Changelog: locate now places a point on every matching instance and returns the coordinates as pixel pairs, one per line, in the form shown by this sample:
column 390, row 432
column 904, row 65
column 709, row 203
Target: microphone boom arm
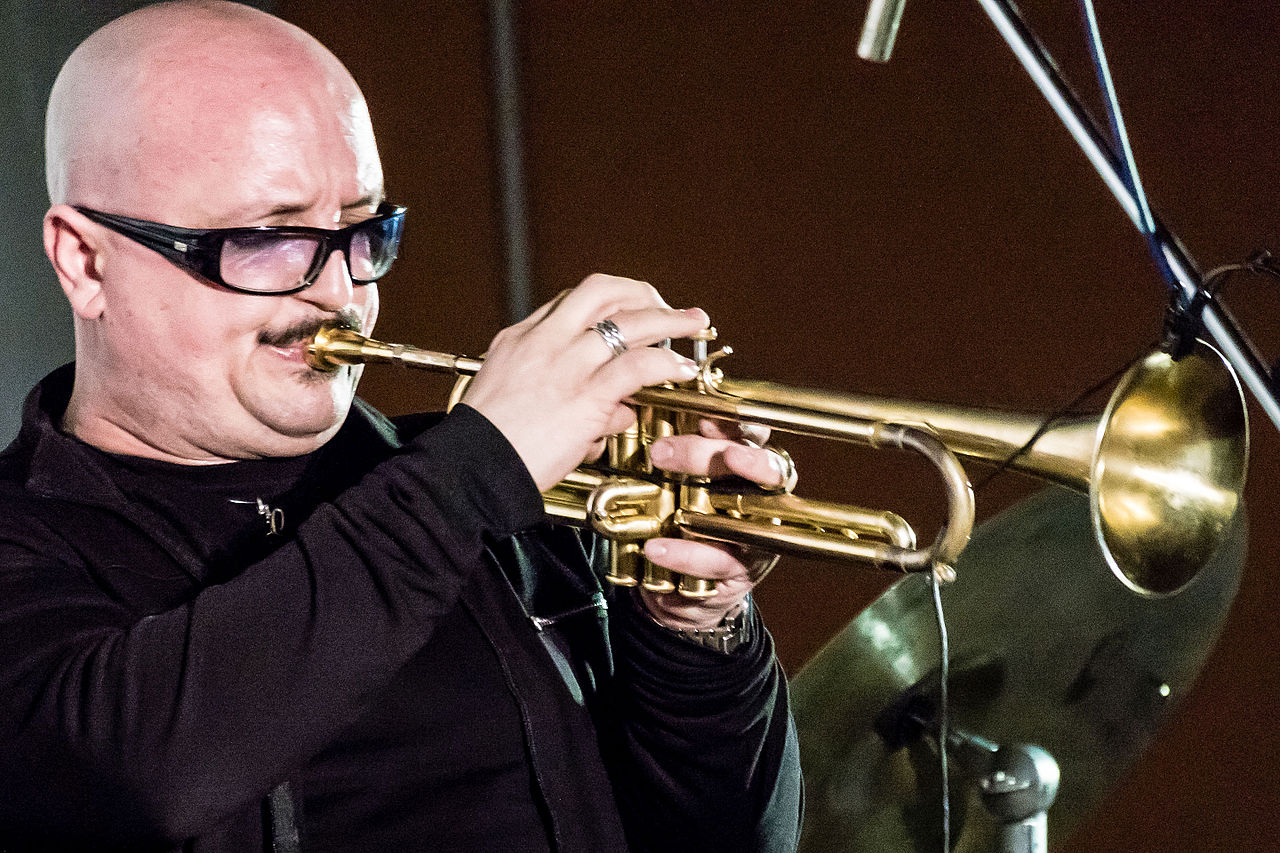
column 1190, row 295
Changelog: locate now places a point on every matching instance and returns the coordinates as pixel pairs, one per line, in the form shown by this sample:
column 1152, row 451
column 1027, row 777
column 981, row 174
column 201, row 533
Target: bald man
column 241, row 610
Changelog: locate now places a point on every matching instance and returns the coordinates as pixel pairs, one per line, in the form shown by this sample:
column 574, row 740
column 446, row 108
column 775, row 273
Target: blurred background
column 924, row 229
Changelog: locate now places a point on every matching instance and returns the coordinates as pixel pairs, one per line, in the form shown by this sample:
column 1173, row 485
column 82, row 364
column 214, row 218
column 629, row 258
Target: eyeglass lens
column 267, row 262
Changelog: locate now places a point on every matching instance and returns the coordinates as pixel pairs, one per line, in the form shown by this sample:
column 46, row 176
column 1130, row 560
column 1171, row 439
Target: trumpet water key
column 1163, row 465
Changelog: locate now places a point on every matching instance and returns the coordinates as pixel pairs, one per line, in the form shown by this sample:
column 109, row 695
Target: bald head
column 163, row 92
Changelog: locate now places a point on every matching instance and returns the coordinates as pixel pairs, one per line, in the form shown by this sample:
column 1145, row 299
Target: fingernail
column 660, row 453
column 779, row 465
column 686, row 368
column 655, row 549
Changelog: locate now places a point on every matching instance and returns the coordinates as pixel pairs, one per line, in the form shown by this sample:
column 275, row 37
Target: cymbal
column 1047, row 647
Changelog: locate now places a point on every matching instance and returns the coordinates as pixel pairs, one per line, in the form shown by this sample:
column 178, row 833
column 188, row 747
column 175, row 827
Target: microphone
column 880, row 29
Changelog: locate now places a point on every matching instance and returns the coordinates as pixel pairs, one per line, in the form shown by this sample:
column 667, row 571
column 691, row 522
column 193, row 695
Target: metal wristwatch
column 731, row 633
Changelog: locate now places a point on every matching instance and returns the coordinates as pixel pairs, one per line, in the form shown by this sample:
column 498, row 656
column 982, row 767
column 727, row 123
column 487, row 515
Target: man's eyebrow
column 283, row 210
column 286, row 210
column 372, row 199
column 250, row 213
column 363, row 205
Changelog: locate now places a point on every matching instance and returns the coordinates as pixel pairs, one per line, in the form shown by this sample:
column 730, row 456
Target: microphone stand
column 1191, row 300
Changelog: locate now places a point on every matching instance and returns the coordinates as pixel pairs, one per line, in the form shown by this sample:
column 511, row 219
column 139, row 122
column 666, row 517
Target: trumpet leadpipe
column 335, row 345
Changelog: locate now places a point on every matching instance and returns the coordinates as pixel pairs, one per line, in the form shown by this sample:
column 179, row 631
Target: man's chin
column 313, row 419
column 295, row 438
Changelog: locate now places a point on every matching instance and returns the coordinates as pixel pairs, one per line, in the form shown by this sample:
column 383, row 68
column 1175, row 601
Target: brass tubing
column 876, row 524
column 1063, row 455
column 613, row 506
column 1164, row 464
column 336, row 345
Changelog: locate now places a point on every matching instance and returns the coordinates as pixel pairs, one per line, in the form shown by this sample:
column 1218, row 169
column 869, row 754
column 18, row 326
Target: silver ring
column 611, row 335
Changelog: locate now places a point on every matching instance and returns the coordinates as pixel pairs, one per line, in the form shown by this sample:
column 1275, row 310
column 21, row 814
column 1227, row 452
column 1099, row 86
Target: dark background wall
column 35, row 325
column 924, row 229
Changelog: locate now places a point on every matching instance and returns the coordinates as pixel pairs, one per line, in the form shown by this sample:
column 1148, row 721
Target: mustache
column 306, row 329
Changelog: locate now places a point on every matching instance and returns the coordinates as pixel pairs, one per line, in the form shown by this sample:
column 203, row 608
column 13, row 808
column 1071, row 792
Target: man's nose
column 332, row 288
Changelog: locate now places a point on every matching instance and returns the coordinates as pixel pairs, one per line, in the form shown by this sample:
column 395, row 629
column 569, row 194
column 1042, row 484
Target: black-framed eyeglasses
column 275, row 260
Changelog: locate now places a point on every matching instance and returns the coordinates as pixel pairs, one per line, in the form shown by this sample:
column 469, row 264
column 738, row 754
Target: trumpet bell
column 1169, row 468
column 1163, row 465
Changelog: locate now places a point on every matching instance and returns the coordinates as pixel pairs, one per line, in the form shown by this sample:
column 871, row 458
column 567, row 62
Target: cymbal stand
column 1016, row 782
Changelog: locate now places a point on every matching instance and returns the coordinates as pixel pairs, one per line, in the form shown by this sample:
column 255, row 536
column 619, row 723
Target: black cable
column 943, row 674
column 1057, row 415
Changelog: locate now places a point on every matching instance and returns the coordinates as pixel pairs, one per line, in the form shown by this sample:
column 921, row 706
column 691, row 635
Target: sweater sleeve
column 704, row 752
column 154, row 729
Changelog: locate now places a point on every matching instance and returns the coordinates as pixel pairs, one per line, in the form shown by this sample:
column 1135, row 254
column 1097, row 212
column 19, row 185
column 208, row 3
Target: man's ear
column 75, row 249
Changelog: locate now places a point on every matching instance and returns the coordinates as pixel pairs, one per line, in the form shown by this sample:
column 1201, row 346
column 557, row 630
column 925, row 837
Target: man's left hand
column 719, row 450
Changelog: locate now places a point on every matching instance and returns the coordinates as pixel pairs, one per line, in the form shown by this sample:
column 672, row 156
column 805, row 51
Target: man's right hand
column 554, row 386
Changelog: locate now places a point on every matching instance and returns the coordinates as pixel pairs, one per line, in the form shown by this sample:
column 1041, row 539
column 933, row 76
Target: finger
column 637, row 330
column 734, row 431
column 691, row 454
column 596, row 450
column 619, row 378
column 600, row 296
column 714, row 457
column 621, row 420
column 696, row 559
column 655, row 325
column 761, row 465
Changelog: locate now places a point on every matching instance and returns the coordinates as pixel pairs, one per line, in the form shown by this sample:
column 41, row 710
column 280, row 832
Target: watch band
column 732, row 632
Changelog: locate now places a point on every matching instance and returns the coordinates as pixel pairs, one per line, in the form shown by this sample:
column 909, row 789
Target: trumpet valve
column 691, row 587
column 657, row 579
column 624, row 564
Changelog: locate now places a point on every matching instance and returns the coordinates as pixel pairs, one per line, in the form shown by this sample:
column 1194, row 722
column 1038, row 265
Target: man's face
column 204, row 373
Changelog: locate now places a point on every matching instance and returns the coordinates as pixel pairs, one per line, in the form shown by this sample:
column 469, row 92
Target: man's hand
column 554, row 385
column 720, row 450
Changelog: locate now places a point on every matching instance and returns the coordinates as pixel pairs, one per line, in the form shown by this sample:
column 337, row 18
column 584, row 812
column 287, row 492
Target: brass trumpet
column 1164, row 466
